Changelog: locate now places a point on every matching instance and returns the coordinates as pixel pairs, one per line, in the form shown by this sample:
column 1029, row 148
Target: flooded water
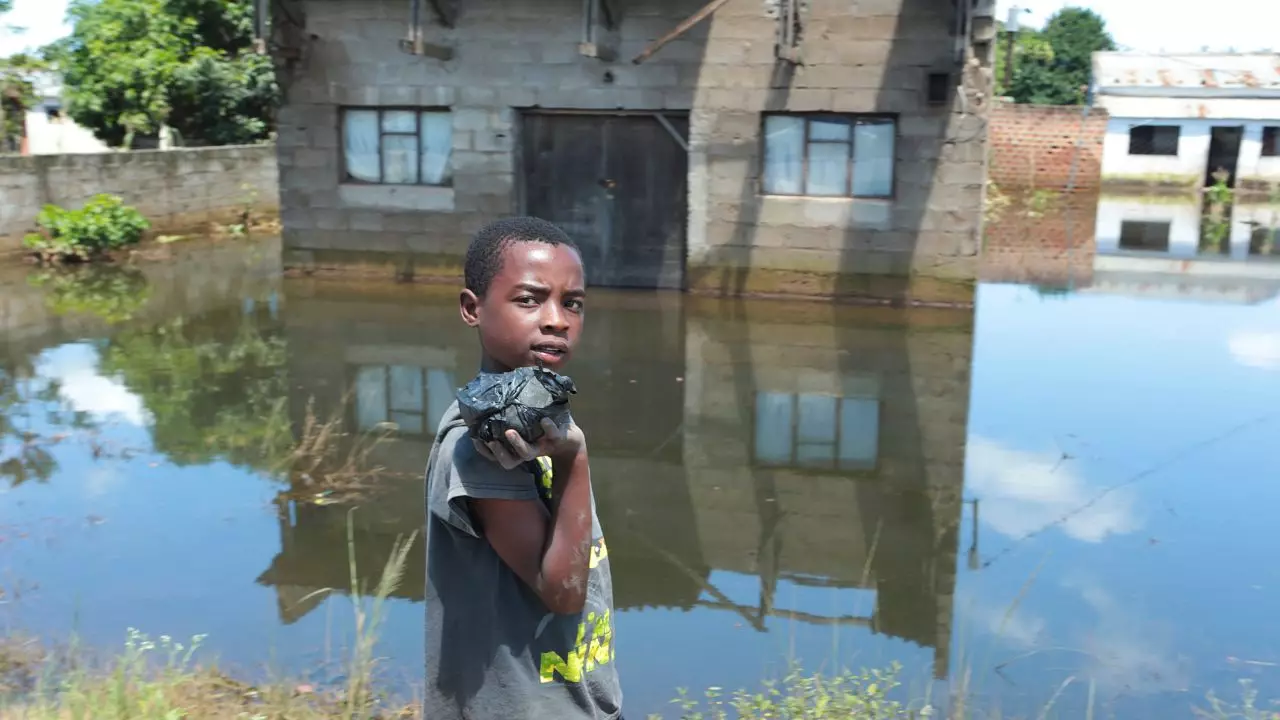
column 1062, row 493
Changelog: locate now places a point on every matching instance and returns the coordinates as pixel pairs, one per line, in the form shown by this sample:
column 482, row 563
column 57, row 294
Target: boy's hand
column 558, row 443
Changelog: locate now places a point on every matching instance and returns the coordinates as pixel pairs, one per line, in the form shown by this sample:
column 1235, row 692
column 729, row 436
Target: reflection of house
column 1176, row 119
column 1165, row 248
column 766, row 143
column 826, row 446
column 821, row 447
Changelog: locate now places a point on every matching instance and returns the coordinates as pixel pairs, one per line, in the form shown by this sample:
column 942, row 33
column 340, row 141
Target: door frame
column 518, row 148
column 1208, row 160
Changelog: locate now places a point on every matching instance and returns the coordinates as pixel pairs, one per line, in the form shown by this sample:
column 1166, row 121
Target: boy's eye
column 574, row 305
column 526, row 300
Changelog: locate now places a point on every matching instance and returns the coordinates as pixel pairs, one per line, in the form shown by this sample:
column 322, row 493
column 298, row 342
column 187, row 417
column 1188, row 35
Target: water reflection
column 778, row 480
column 777, row 443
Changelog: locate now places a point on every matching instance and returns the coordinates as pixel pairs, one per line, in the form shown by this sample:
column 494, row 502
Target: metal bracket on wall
column 415, row 43
column 788, row 41
column 593, row 46
column 675, row 134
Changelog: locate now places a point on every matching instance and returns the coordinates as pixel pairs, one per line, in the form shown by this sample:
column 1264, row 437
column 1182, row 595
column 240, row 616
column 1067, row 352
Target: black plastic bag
column 493, row 403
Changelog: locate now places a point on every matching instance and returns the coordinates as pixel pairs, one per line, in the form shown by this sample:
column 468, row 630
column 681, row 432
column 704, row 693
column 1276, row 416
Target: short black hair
column 484, row 254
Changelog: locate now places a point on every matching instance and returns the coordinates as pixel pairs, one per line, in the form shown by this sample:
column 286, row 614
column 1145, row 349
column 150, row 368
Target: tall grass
column 160, row 680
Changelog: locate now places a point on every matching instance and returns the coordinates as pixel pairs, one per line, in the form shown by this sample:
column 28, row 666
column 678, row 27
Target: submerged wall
column 176, row 189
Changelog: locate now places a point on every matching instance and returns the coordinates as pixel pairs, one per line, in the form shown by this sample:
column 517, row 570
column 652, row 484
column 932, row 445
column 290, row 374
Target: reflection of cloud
column 1127, row 651
column 1022, row 492
column 1256, row 349
column 74, row 367
column 100, row 480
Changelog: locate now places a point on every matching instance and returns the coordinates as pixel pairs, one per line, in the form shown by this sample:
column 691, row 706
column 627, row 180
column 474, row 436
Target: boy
column 519, row 595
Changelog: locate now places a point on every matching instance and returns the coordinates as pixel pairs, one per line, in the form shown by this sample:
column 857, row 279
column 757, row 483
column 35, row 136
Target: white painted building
column 1175, row 119
column 50, row 131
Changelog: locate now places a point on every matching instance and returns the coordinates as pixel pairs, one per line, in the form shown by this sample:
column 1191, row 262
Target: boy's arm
column 549, row 551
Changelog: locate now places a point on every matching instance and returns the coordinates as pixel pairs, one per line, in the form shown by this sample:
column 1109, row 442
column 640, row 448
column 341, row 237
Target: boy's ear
column 469, row 307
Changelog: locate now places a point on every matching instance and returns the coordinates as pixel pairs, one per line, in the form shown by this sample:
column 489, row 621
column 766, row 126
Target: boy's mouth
column 551, row 352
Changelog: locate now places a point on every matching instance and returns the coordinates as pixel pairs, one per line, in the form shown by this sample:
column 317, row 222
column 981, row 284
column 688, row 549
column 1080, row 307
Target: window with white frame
column 397, row 146
column 817, row 431
column 412, row 397
column 829, row 155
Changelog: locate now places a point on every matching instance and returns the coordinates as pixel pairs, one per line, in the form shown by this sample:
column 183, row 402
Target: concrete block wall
column 865, row 57
column 868, row 57
column 507, row 57
column 1033, row 146
column 176, row 189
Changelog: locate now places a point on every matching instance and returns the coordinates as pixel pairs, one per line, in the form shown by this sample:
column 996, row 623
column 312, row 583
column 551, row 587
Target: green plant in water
column 112, row 293
column 1039, row 202
column 104, row 224
column 802, row 696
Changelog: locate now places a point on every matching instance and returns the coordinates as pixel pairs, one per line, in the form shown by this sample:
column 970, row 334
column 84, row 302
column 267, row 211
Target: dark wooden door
column 617, row 185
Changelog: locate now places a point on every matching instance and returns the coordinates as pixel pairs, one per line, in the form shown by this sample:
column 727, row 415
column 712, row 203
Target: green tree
column 17, row 93
column 1054, row 66
column 131, row 66
column 216, row 386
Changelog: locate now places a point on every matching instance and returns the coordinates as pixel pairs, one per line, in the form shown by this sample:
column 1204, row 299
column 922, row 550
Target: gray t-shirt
column 494, row 651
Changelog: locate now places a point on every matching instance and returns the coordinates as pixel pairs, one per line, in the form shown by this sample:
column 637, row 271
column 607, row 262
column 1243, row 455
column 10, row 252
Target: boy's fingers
column 501, row 455
column 521, row 448
column 484, row 450
column 550, row 430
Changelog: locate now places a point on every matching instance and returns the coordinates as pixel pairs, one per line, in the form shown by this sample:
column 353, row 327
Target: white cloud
column 1256, row 349
column 74, row 367
column 1022, row 492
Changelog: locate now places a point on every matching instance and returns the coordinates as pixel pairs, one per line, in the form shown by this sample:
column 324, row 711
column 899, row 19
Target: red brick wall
column 1032, row 146
column 1049, row 241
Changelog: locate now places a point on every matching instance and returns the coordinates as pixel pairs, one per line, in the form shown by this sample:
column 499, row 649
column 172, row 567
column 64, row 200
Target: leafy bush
column 801, row 696
column 105, row 223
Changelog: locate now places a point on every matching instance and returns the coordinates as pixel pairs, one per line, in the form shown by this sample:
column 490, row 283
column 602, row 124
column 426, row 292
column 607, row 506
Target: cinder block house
column 737, row 146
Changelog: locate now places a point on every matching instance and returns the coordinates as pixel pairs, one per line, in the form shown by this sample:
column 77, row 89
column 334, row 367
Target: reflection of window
column 1271, row 142
column 412, row 397
column 828, row 155
column 1264, row 241
column 1138, row 235
column 1154, row 139
column 396, row 146
column 819, row 431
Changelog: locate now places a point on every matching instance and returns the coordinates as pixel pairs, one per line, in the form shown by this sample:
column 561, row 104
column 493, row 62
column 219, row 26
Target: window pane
column 873, row 158
column 822, row 455
column 783, row 154
column 829, row 129
column 360, row 144
column 1145, row 235
column 399, row 159
column 406, row 388
column 437, row 147
column 371, row 396
column 399, row 121
column 828, row 169
column 408, row 423
column 817, row 419
column 859, row 432
column 773, row 427
column 440, row 393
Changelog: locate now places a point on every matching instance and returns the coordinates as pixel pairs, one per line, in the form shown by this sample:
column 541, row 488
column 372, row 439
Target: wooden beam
column 679, row 30
column 446, row 12
column 612, row 14
column 425, row 49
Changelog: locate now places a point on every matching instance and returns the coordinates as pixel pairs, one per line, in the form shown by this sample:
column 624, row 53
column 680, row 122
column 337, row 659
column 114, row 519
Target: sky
column 1189, row 25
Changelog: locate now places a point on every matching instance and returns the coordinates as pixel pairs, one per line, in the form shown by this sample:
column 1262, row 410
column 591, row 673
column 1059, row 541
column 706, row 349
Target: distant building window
column 817, row 431
column 829, row 155
column 1271, row 141
column 1154, row 139
column 1146, row 236
column 414, row 398
column 395, row 146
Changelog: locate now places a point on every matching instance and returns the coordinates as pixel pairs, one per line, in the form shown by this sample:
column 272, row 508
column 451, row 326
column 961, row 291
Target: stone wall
column 176, row 189
column 873, row 57
column 1033, row 146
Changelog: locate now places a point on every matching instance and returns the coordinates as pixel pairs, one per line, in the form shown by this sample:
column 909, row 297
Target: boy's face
column 533, row 309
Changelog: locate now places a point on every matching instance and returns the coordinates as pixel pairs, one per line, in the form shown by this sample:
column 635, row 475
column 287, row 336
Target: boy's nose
column 554, row 318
